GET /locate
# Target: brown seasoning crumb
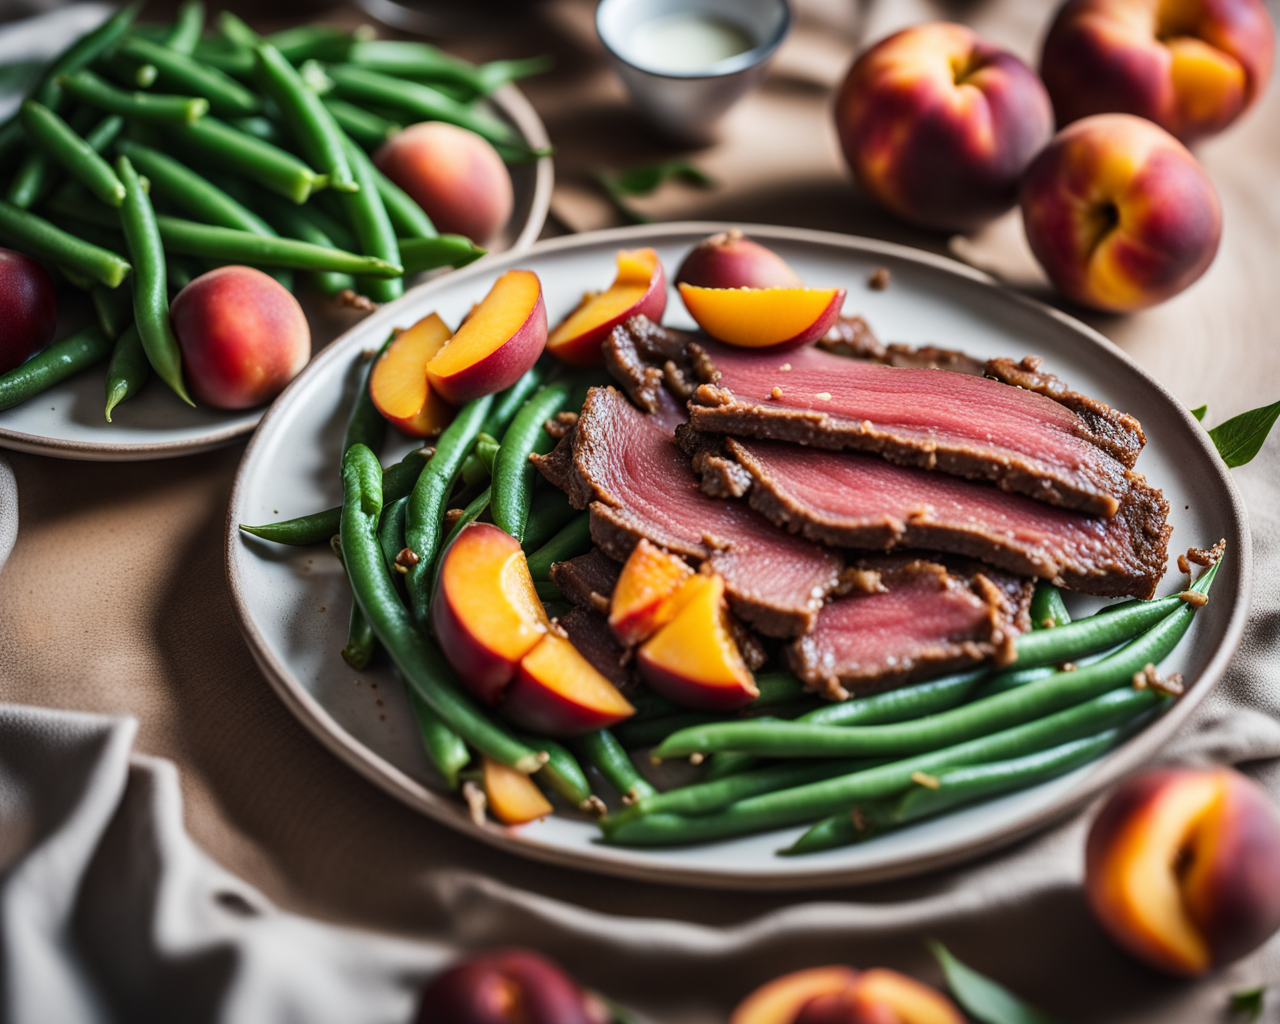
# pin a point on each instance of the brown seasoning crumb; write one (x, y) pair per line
(776, 392)
(879, 279)
(926, 780)
(1194, 598)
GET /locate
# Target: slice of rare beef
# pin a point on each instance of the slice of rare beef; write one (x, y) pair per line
(850, 500)
(956, 423)
(587, 580)
(626, 467)
(903, 621)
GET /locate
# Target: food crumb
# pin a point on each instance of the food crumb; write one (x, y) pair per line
(776, 392)
(1183, 564)
(351, 300)
(879, 279)
(785, 367)
(926, 780)
(1194, 598)
(823, 396)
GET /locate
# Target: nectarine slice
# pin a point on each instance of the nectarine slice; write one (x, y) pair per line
(513, 798)
(778, 1001)
(910, 1001)
(485, 610)
(644, 596)
(557, 692)
(496, 344)
(639, 288)
(763, 317)
(693, 660)
(398, 383)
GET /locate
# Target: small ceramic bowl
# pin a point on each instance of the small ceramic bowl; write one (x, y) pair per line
(652, 45)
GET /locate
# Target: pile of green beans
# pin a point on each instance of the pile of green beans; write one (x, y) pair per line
(229, 136)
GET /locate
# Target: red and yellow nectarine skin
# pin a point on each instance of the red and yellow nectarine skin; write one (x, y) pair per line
(1182, 868)
(693, 660)
(907, 1000)
(640, 288)
(557, 692)
(496, 344)
(506, 986)
(732, 260)
(778, 1001)
(512, 796)
(938, 125)
(243, 337)
(398, 382)
(1119, 213)
(485, 611)
(456, 176)
(777, 318)
(644, 598)
(1191, 66)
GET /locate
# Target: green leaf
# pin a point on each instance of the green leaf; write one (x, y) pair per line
(642, 180)
(1199, 413)
(1248, 1002)
(1241, 437)
(982, 998)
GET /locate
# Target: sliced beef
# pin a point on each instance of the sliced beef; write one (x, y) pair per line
(589, 632)
(956, 423)
(904, 620)
(587, 580)
(626, 467)
(851, 337)
(850, 500)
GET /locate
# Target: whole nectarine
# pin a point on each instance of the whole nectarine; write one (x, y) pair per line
(28, 309)
(1192, 66)
(732, 260)
(1182, 867)
(243, 337)
(1119, 214)
(938, 124)
(456, 176)
(510, 986)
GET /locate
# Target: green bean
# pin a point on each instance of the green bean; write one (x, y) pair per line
(425, 103)
(549, 592)
(445, 748)
(140, 106)
(343, 237)
(312, 42)
(228, 245)
(999, 711)
(113, 309)
(574, 539)
(55, 364)
(187, 27)
(37, 237)
(650, 732)
(999, 682)
(128, 369)
(361, 642)
(610, 760)
(424, 518)
(130, 72)
(150, 296)
(507, 403)
(955, 788)
(422, 60)
(268, 165)
(562, 772)
(370, 130)
(1088, 636)
(726, 763)
(479, 465)
(237, 31)
(83, 52)
(34, 178)
(549, 513)
(57, 140)
(513, 473)
(226, 97)
(292, 222)
(260, 128)
(819, 799)
(365, 425)
(411, 222)
(418, 660)
(1047, 607)
(317, 528)
(321, 140)
(12, 141)
(226, 56)
(368, 217)
(778, 688)
(391, 533)
(421, 254)
(178, 274)
(651, 705)
(899, 705)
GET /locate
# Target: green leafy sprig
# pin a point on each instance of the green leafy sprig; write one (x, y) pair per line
(644, 180)
(1248, 1002)
(983, 999)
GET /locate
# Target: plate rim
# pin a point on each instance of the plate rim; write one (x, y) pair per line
(391, 779)
(516, 106)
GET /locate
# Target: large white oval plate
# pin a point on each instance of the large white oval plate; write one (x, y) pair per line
(293, 603)
(66, 421)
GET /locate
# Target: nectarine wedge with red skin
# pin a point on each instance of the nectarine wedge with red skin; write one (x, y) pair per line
(1182, 868)
(777, 318)
(643, 600)
(507, 986)
(778, 1001)
(640, 288)
(511, 795)
(732, 260)
(693, 660)
(557, 692)
(907, 1001)
(496, 344)
(485, 611)
(398, 382)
